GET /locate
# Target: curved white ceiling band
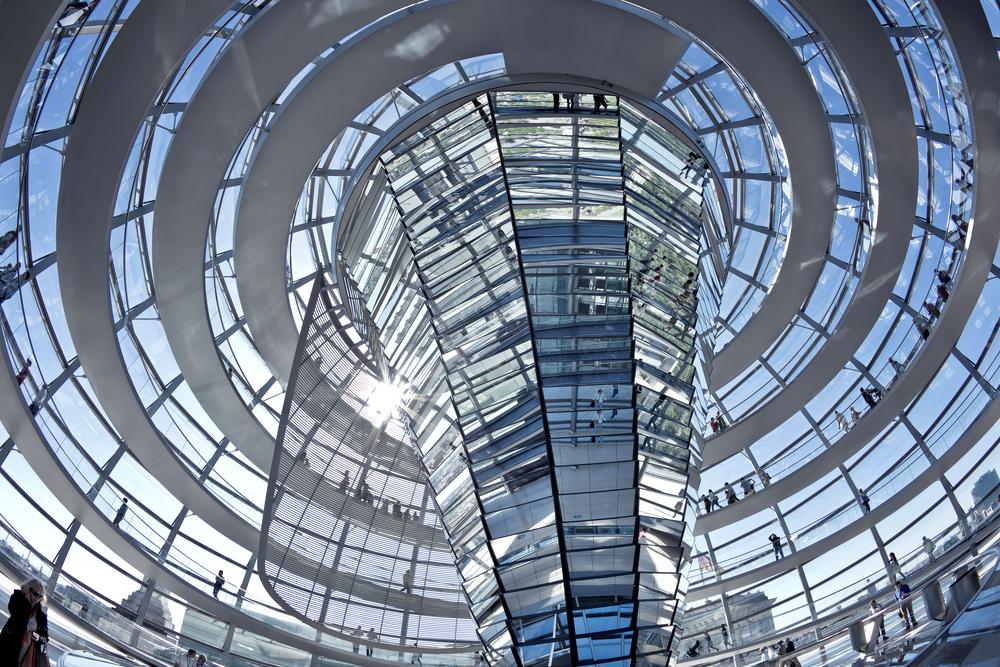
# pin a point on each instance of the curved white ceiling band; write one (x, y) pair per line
(270, 322)
(337, 92)
(882, 93)
(897, 501)
(746, 38)
(981, 75)
(123, 88)
(246, 78)
(25, 27)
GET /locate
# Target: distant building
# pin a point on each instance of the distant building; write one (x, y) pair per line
(985, 487)
(203, 632)
(157, 616)
(751, 613)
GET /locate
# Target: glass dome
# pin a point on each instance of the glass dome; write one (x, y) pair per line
(626, 323)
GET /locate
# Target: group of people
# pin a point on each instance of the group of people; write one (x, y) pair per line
(571, 99)
(902, 595)
(709, 644)
(943, 289)
(780, 654)
(695, 168)
(371, 636)
(871, 396)
(11, 279)
(191, 659)
(390, 506)
(842, 420)
(768, 653)
(718, 422)
(710, 500)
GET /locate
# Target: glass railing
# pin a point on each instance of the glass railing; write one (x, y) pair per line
(921, 570)
(811, 533)
(21, 561)
(949, 545)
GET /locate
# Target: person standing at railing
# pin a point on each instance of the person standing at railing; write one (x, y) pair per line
(372, 637)
(220, 581)
(898, 368)
(121, 511)
(408, 581)
(690, 165)
(189, 659)
(867, 396)
(864, 501)
(358, 632)
(730, 494)
(776, 544)
(27, 629)
(725, 635)
(841, 421)
(24, 373)
(721, 421)
(787, 647)
(906, 605)
(895, 571)
(929, 547)
(875, 612)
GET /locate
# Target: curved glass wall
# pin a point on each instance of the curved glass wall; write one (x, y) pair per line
(921, 292)
(928, 443)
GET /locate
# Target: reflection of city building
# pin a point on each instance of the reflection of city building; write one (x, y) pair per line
(209, 632)
(157, 616)
(751, 614)
(16, 564)
(985, 487)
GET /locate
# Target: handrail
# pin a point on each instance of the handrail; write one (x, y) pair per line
(847, 616)
(987, 591)
(975, 518)
(817, 529)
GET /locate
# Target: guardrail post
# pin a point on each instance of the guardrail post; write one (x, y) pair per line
(858, 640)
(934, 603)
(964, 589)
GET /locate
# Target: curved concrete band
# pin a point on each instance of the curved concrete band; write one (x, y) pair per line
(981, 73)
(244, 81)
(260, 246)
(458, 25)
(24, 28)
(119, 96)
(871, 64)
(967, 441)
